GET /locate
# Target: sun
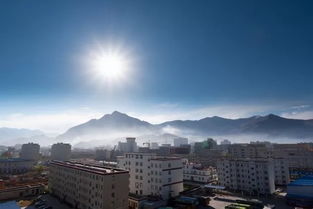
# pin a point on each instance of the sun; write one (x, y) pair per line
(110, 65)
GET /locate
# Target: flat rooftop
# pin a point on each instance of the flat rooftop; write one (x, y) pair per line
(304, 181)
(6, 160)
(100, 170)
(166, 158)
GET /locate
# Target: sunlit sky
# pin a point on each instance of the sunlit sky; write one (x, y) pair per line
(185, 60)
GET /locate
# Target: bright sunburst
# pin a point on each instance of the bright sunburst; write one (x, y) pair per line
(109, 65)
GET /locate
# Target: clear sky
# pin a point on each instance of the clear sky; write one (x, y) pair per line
(189, 59)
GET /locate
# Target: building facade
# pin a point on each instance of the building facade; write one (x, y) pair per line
(254, 176)
(19, 192)
(153, 175)
(30, 151)
(198, 173)
(61, 152)
(281, 170)
(13, 166)
(129, 146)
(259, 150)
(89, 187)
(180, 141)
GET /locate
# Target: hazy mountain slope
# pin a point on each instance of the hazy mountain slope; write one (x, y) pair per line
(109, 124)
(119, 124)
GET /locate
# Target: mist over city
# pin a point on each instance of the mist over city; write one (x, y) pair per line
(178, 104)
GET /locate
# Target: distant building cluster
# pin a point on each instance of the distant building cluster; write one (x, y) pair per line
(133, 176)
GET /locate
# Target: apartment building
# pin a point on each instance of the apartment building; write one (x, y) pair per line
(281, 170)
(23, 191)
(259, 150)
(254, 176)
(129, 146)
(198, 173)
(61, 151)
(264, 151)
(30, 151)
(177, 142)
(15, 166)
(88, 186)
(299, 156)
(153, 175)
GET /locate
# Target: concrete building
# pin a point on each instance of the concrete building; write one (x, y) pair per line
(25, 191)
(257, 150)
(254, 176)
(129, 146)
(153, 175)
(103, 154)
(225, 142)
(281, 170)
(61, 152)
(89, 187)
(154, 145)
(13, 166)
(30, 151)
(299, 156)
(180, 141)
(198, 173)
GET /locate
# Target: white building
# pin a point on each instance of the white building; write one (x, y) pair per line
(180, 141)
(153, 175)
(61, 151)
(248, 175)
(15, 166)
(154, 145)
(225, 142)
(30, 151)
(281, 170)
(196, 172)
(88, 186)
(129, 146)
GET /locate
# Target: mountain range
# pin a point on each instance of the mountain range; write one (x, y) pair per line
(113, 127)
(270, 127)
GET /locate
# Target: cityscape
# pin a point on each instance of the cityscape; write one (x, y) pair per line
(180, 104)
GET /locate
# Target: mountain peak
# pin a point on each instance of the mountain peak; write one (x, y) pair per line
(117, 113)
(272, 116)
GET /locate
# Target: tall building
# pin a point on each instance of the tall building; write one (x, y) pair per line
(180, 141)
(204, 146)
(30, 151)
(153, 175)
(103, 154)
(88, 186)
(129, 146)
(61, 152)
(254, 176)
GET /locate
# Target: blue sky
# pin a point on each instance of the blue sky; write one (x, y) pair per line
(192, 59)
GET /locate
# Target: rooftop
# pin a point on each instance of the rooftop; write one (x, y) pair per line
(100, 170)
(13, 160)
(304, 181)
(166, 158)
